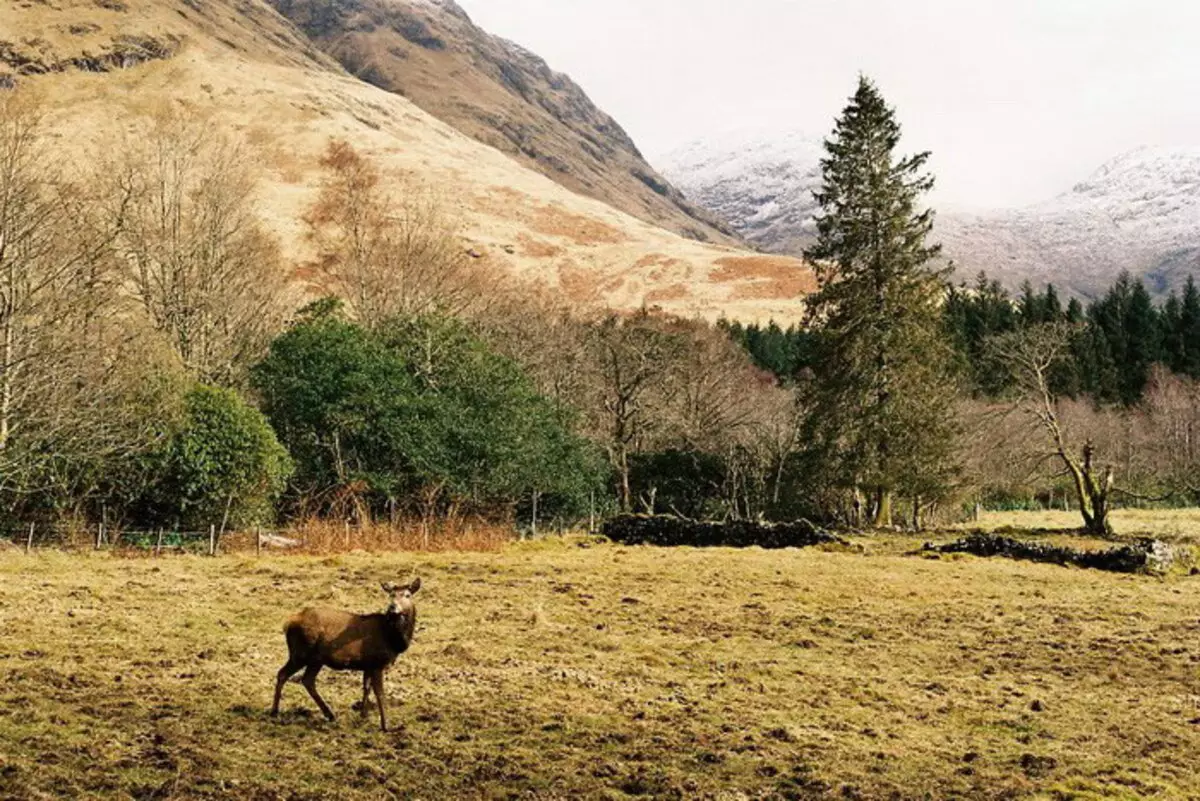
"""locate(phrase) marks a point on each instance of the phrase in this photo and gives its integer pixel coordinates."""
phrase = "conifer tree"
(1188, 336)
(882, 392)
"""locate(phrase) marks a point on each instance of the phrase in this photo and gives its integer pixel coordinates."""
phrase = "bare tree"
(389, 252)
(192, 250)
(1031, 355)
(1172, 409)
(67, 379)
(633, 358)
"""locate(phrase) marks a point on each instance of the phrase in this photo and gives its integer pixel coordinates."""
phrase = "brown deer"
(320, 638)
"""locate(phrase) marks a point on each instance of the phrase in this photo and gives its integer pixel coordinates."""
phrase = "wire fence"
(308, 537)
(36, 535)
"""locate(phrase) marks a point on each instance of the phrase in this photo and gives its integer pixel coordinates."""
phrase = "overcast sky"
(1018, 99)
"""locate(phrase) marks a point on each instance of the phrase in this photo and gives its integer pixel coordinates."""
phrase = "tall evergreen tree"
(1189, 330)
(1030, 305)
(1052, 310)
(882, 395)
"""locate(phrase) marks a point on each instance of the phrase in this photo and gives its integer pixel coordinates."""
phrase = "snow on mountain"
(761, 184)
(1139, 212)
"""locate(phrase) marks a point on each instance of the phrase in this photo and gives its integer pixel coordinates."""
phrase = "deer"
(330, 638)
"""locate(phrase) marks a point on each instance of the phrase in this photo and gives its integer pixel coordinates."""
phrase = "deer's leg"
(377, 685)
(285, 673)
(310, 683)
(366, 692)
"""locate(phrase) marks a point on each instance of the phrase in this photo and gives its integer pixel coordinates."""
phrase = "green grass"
(558, 671)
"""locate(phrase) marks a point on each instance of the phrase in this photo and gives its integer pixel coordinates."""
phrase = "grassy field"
(1172, 525)
(553, 670)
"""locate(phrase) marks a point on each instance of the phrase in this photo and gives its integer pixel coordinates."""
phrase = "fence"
(65, 536)
(307, 537)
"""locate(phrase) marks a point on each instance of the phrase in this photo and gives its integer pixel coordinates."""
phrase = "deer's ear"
(414, 586)
(388, 587)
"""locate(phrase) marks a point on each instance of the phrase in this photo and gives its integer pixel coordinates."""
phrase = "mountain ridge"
(251, 75)
(1140, 212)
(503, 95)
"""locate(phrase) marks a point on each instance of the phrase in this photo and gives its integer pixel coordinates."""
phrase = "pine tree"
(1052, 310)
(1029, 305)
(1143, 338)
(883, 391)
(1172, 343)
(1189, 330)
(1075, 312)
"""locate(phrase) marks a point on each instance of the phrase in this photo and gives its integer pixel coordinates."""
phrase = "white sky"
(1018, 99)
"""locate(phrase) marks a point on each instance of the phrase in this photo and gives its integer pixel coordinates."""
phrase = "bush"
(417, 411)
(223, 456)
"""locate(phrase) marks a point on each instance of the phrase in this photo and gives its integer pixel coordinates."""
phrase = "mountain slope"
(1140, 212)
(499, 93)
(250, 73)
(762, 183)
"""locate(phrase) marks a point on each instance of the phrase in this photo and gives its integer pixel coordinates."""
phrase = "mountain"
(501, 94)
(106, 67)
(1140, 212)
(759, 181)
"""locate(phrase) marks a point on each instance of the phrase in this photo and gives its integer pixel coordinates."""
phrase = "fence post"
(158, 544)
(99, 535)
(592, 512)
(257, 541)
(212, 540)
(347, 534)
(29, 542)
(533, 528)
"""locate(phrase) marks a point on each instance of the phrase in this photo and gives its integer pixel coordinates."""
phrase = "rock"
(669, 531)
(1140, 556)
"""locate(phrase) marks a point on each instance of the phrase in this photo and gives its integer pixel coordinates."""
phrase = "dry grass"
(556, 671)
(322, 537)
(1172, 525)
(765, 277)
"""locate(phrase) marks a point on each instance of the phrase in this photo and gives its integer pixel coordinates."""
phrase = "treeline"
(160, 365)
(1118, 338)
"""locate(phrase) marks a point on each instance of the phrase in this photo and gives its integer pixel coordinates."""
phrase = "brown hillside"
(502, 95)
(106, 66)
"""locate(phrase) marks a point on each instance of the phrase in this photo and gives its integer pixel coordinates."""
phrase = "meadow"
(578, 669)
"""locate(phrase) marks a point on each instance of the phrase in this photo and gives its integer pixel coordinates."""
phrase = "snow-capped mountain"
(761, 183)
(1139, 212)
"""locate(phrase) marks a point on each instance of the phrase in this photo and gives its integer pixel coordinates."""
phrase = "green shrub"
(222, 456)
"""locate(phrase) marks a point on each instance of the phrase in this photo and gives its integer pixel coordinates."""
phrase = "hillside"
(501, 94)
(1140, 212)
(105, 69)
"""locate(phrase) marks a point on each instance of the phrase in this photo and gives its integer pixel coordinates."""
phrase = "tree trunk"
(883, 508)
(1093, 495)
